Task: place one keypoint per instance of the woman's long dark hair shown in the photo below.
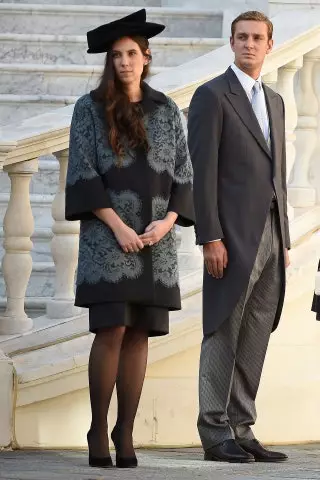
(123, 117)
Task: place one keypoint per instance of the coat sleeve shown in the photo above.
(204, 132)
(181, 197)
(284, 185)
(85, 190)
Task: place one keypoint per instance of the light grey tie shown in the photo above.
(259, 108)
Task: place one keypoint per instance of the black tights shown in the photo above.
(118, 356)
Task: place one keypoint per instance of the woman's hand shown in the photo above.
(155, 231)
(128, 239)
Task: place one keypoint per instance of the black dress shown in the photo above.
(129, 289)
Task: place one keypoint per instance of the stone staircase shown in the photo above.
(44, 65)
(43, 59)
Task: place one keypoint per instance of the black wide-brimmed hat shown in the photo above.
(101, 39)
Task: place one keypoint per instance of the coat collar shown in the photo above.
(246, 81)
(151, 98)
(240, 102)
(276, 122)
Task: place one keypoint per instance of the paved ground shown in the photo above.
(181, 464)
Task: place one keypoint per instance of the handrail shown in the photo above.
(35, 136)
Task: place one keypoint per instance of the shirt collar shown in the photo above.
(246, 81)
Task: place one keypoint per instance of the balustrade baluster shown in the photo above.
(18, 227)
(189, 254)
(285, 87)
(301, 193)
(271, 79)
(64, 248)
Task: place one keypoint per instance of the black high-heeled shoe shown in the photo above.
(122, 462)
(99, 462)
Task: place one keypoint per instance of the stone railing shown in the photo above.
(20, 150)
(292, 69)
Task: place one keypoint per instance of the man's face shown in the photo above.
(250, 44)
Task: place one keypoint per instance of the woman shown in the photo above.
(129, 181)
(316, 297)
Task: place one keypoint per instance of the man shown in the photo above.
(237, 145)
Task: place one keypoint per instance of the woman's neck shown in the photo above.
(134, 92)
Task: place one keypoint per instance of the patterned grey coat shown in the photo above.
(141, 190)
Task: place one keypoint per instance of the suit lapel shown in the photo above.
(275, 127)
(240, 102)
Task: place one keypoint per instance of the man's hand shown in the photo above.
(215, 258)
(286, 258)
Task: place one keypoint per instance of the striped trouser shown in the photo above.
(232, 358)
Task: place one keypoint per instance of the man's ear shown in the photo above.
(232, 42)
(270, 45)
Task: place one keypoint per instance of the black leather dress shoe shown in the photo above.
(260, 453)
(228, 451)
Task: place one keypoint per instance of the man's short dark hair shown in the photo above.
(255, 16)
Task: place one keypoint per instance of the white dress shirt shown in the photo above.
(247, 84)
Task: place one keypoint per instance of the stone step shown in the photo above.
(78, 19)
(15, 108)
(124, 3)
(71, 49)
(37, 79)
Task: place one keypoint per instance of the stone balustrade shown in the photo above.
(64, 247)
(292, 70)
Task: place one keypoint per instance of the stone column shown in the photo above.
(18, 227)
(315, 161)
(189, 254)
(271, 79)
(301, 193)
(285, 87)
(64, 248)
